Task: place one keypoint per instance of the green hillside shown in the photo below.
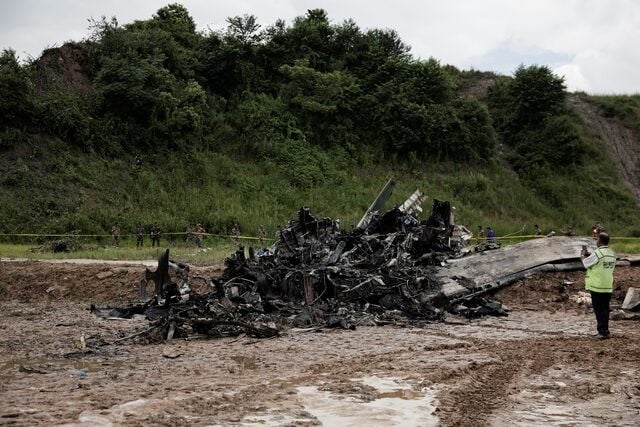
(248, 124)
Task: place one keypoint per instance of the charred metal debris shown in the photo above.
(318, 275)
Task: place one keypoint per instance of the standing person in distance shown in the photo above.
(115, 235)
(155, 235)
(139, 236)
(261, 235)
(491, 236)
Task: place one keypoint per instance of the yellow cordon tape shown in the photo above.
(132, 235)
(182, 233)
(560, 235)
(515, 237)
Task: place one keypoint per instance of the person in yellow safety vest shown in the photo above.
(599, 281)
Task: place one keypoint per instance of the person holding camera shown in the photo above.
(598, 281)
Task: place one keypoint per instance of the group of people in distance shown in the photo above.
(569, 231)
(194, 234)
(235, 234)
(154, 233)
(490, 234)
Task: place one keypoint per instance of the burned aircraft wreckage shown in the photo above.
(391, 268)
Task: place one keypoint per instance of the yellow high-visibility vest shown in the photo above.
(599, 277)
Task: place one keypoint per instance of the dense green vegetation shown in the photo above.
(247, 124)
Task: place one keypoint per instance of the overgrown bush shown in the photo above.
(530, 114)
(16, 93)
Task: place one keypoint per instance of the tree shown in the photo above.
(16, 92)
(537, 94)
(228, 60)
(323, 102)
(169, 35)
(180, 115)
(131, 88)
(530, 113)
(244, 30)
(311, 38)
(175, 19)
(426, 82)
(475, 138)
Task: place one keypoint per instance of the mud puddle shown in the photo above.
(395, 402)
(118, 414)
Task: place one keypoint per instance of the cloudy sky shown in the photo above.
(594, 44)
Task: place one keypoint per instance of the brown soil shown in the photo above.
(479, 86)
(43, 282)
(536, 367)
(553, 291)
(64, 65)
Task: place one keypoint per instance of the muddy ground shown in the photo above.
(538, 366)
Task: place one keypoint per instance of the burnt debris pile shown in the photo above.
(318, 275)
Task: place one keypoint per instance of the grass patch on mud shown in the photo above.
(212, 252)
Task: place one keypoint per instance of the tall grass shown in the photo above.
(58, 190)
(625, 246)
(626, 108)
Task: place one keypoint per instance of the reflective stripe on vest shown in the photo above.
(599, 277)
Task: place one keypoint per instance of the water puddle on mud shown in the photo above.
(118, 414)
(273, 419)
(395, 403)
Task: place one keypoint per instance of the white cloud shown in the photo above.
(573, 77)
(595, 41)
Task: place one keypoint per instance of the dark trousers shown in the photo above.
(600, 302)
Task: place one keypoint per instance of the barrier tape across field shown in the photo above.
(132, 235)
(561, 235)
(229, 236)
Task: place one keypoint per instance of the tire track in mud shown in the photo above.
(471, 396)
(475, 396)
(472, 399)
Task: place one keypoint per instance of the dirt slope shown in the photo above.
(621, 142)
(64, 65)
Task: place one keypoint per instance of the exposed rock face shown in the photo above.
(621, 142)
(64, 65)
(479, 87)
